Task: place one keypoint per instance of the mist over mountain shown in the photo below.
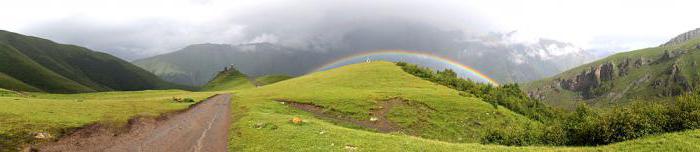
(498, 55)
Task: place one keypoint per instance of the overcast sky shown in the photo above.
(139, 28)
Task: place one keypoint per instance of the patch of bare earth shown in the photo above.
(378, 121)
(203, 127)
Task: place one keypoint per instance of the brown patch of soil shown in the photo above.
(202, 127)
(381, 124)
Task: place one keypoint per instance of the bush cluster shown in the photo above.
(509, 95)
(587, 126)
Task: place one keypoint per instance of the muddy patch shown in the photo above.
(378, 116)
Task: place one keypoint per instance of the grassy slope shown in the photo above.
(95, 71)
(12, 83)
(353, 90)
(17, 66)
(270, 79)
(228, 80)
(642, 91)
(57, 113)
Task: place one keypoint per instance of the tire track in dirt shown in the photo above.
(203, 127)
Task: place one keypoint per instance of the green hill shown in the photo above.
(228, 79)
(270, 79)
(651, 74)
(353, 96)
(35, 64)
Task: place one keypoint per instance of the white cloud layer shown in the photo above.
(138, 28)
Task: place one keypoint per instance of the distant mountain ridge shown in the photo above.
(682, 38)
(197, 64)
(34, 64)
(494, 55)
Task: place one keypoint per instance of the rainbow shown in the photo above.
(444, 60)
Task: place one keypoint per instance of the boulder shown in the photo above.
(42, 135)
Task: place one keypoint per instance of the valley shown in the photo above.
(349, 76)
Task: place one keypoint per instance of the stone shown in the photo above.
(297, 120)
(373, 119)
(350, 147)
(42, 135)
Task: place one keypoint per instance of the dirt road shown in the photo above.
(202, 128)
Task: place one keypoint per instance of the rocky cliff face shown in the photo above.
(683, 37)
(590, 83)
(590, 79)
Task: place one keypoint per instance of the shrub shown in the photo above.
(182, 100)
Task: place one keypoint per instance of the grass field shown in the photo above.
(24, 114)
(270, 79)
(262, 124)
(433, 111)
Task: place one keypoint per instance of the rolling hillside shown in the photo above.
(335, 105)
(270, 79)
(228, 79)
(352, 96)
(35, 64)
(651, 74)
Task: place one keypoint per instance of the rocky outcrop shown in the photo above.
(537, 94)
(640, 62)
(589, 79)
(678, 78)
(605, 72)
(672, 83)
(668, 55)
(623, 67)
(680, 39)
